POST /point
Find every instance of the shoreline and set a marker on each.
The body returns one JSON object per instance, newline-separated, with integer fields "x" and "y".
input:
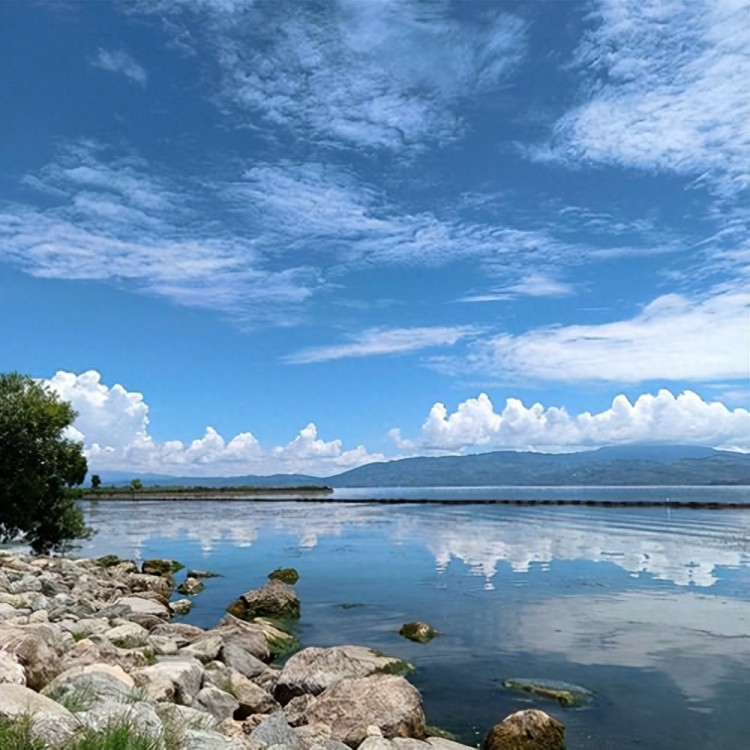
{"x": 300, "y": 496}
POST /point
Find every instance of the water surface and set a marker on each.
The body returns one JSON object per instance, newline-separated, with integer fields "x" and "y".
{"x": 647, "y": 607}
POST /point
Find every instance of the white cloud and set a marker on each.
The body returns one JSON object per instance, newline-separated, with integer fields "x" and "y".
{"x": 356, "y": 73}
{"x": 115, "y": 219}
{"x": 670, "y": 91}
{"x": 119, "y": 61}
{"x": 672, "y": 338}
{"x": 665, "y": 418}
{"x": 113, "y": 425}
{"x": 380, "y": 341}
{"x": 533, "y": 285}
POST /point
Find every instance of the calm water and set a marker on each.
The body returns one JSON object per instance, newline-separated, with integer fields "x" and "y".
{"x": 647, "y": 607}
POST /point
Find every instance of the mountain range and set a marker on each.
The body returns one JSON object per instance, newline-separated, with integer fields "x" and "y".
{"x": 616, "y": 465}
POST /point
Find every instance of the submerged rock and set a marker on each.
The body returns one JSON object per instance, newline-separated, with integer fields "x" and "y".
{"x": 526, "y": 730}
{"x": 420, "y": 632}
{"x": 285, "y": 575}
{"x": 161, "y": 567}
{"x": 275, "y": 599}
{"x": 565, "y": 693}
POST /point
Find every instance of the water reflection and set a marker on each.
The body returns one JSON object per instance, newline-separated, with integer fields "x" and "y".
{"x": 683, "y": 547}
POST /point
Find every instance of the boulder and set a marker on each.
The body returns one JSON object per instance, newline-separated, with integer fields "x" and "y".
{"x": 39, "y": 660}
{"x": 276, "y": 731}
{"x": 219, "y": 704}
{"x": 191, "y": 586}
{"x": 18, "y": 701}
{"x": 10, "y": 669}
{"x": 250, "y": 636}
{"x": 350, "y": 706}
{"x": 204, "y": 739}
{"x": 252, "y": 698}
{"x": 172, "y": 679}
{"x": 127, "y": 635}
{"x": 420, "y": 632}
{"x": 527, "y": 730}
{"x": 179, "y": 632}
{"x": 137, "y": 606}
{"x": 275, "y": 599}
{"x": 161, "y": 567}
{"x": 139, "y": 714}
{"x": 180, "y": 607}
{"x": 94, "y": 683}
{"x": 234, "y": 655}
{"x": 205, "y": 649}
{"x": 312, "y": 670}
{"x": 285, "y": 575}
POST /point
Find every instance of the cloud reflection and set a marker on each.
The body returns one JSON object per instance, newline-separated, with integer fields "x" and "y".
{"x": 683, "y": 548}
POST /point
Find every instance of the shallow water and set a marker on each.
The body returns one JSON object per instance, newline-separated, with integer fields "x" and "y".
{"x": 647, "y": 607}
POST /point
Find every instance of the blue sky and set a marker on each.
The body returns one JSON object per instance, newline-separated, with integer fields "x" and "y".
{"x": 245, "y": 236}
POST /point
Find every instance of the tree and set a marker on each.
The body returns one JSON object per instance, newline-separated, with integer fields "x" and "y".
{"x": 39, "y": 466}
{"x": 135, "y": 485}
{"x": 96, "y": 482}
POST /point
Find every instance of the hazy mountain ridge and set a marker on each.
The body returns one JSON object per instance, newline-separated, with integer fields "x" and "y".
{"x": 617, "y": 465}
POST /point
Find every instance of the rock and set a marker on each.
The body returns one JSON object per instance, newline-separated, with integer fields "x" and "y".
{"x": 420, "y": 632}
{"x": 252, "y": 698}
{"x": 128, "y": 635}
{"x": 202, "y": 739}
{"x": 93, "y": 683}
{"x": 201, "y": 574}
{"x": 161, "y": 645}
{"x": 219, "y": 704}
{"x": 179, "y": 632}
{"x": 565, "y": 693}
{"x": 179, "y": 718}
{"x": 161, "y": 567}
{"x": 236, "y": 657}
{"x": 139, "y": 714}
{"x": 350, "y": 706}
{"x": 441, "y": 743}
{"x": 141, "y": 583}
{"x": 97, "y": 649}
{"x": 276, "y": 731}
{"x": 285, "y": 575}
{"x": 205, "y": 650}
{"x": 191, "y": 587}
{"x": 312, "y": 670}
{"x": 250, "y": 636}
{"x": 527, "y": 730}
{"x": 18, "y": 701}
{"x": 139, "y": 606}
{"x": 275, "y": 599}
{"x": 40, "y": 662}
{"x": 296, "y": 710}
{"x": 180, "y": 607}
{"x": 172, "y": 679}
{"x": 10, "y": 670}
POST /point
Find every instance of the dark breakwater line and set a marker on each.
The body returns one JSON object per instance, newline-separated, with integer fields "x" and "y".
{"x": 529, "y": 502}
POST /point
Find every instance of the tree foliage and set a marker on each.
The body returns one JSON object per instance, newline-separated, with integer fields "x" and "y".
{"x": 39, "y": 466}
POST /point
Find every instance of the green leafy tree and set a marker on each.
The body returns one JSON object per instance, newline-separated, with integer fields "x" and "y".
{"x": 39, "y": 466}
{"x": 135, "y": 485}
{"x": 96, "y": 481}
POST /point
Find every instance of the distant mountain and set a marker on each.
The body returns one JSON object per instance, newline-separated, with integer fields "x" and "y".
{"x": 617, "y": 465}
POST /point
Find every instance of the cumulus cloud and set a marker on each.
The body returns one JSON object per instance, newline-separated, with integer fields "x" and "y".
{"x": 113, "y": 424}
{"x": 119, "y": 61}
{"x": 672, "y": 338}
{"x": 669, "y": 91}
{"x": 664, "y": 417}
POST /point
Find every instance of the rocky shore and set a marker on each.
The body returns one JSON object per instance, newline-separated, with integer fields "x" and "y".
{"x": 87, "y": 646}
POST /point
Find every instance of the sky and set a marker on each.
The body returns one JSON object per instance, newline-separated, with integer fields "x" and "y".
{"x": 261, "y": 236}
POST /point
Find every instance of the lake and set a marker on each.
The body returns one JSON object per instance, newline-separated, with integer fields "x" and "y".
{"x": 647, "y": 607}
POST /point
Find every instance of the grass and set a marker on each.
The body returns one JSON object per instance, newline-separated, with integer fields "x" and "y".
{"x": 75, "y": 700}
